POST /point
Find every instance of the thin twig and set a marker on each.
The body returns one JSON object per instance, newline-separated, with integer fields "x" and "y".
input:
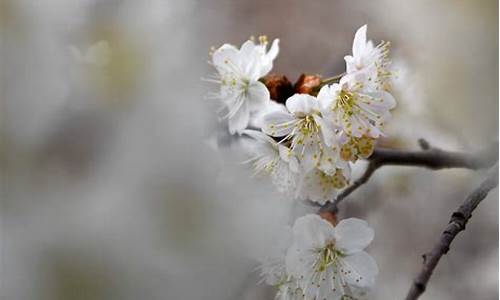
{"x": 332, "y": 79}
{"x": 457, "y": 223}
{"x": 429, "y": 157}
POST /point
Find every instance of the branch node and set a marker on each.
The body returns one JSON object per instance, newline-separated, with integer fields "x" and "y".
{"x": 424, "y": 257}
{"x": 420, "y": 286}
{"x": 424, "y": 144}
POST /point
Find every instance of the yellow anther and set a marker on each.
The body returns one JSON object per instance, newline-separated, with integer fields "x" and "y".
{"x": 263, "y": 39}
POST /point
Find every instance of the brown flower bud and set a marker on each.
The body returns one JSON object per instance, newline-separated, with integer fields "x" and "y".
{"x": 307, "y": 84}
{"x": 280, "y": 88}
{"x": 329, "y": 216}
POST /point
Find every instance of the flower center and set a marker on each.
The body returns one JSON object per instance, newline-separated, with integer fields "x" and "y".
{"x": 337, "y": 180}
{"x": 328, "y": 256}
{"x": 346, "y": 101}
{"x": 232, "y": 82}
{"x": 308, "y": 126}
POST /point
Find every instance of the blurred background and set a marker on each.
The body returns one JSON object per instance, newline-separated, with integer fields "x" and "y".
{"x": 118, "y": 182}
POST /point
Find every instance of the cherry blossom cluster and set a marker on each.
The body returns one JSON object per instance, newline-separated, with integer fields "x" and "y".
{"x": 317, "y": 260}
{"x": 306, "y": 143}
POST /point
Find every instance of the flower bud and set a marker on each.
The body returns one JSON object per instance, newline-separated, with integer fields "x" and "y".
{"x": 280, "y": 88}
{"x": 329, "y": 216}
{"x": 308, "y": 84}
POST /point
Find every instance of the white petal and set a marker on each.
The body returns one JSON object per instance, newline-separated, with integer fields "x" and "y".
{"x": 330, "y": 160}
{"x": 239, "y": 120}
{"x": 317, "y": 187}
{"x": 298, "y": 261}
{"x": 361, "y": 268}
{"x": 248, "y": 49}
{"x": 274, "y": 50}
{"x": 346, "y": 169}
{"x": 307, "y": 148}
{"x": 251, "y": 60}
{"x": 350, "y": 64}
{"x": 327, "y": 96}
{"x": 257, "y": 96}
{"x": 285, "y": 153}
{"x": 312, "y": 232}
{"x": 343, "y": 138}
{"x": 359, "y": 43}
{"x": 257, "y": 119}
{"x": 327, "y": 131}
{"x": 225, "y": 56}
{"x": 302, "y": 104}
{"x": 268, "y": 58}
{"x": 294, "y": 164}
{"x": 388, "y": 100}
{"x": 353, "y": 235}
{"x": 259, "y": 136}
{"x": 350, "y": 80}
{"x": 278, "y": 123}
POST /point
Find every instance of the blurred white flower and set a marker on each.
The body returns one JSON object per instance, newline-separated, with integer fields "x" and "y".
{"x": 370, "y": 61}
{"x": 276, "y": 160}
{"x": 257, "y": 119}
{"x": 238, "y": 73}
{"x": 273, "y": 269}
{"x": 313, "y": 139}
{"x": 98, "y": 54}
{"x": 329, "y": 262}
{"x": 289, "y": 290}
{"x": 358, "y": 111}
{"x": 317, "y": 186}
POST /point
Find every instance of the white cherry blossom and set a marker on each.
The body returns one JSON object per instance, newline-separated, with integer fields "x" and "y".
{"x": 313, "y": 139}
{"x": 238, "y": 73}
{"x": 329, "y": 262}
{"x": 356, "y": 110}
{"x": 317, "y": 186}
{"x": 370, "y": 61}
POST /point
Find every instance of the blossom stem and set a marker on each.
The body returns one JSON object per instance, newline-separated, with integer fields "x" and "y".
{"x": 332, "y": 79}
{"x": 326, "y": 81}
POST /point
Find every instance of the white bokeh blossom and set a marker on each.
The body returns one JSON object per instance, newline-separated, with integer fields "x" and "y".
{"x": 328, "y": 261}
{"x": 274, "y": 159}
{"x": 98, "y": 54}
{"x": 238, "y": 73}
{"x": 289, "y": 290}
{"x": 273, "y": 268}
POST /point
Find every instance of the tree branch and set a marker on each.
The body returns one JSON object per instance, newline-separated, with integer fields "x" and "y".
{"x": 457, "y": 223}
{"x": 428, "y": 157}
